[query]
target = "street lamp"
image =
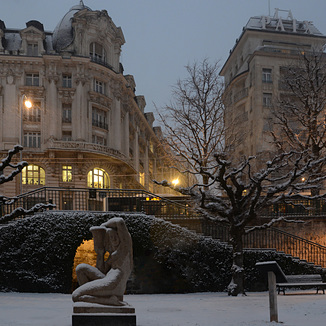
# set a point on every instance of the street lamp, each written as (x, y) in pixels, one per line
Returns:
(27, 103)
(175, 182)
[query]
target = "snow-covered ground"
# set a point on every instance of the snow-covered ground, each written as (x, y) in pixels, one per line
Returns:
(199, 309)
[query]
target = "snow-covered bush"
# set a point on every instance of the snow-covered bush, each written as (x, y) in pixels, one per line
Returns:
(37, 254)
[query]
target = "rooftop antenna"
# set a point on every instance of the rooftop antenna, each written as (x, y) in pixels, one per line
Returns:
(82, 3)
(269, 8)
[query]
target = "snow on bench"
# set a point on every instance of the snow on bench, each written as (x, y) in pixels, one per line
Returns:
(291, 281)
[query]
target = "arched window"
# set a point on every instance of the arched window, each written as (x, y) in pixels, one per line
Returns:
(97, 53)
(98, 178)
(33, 175)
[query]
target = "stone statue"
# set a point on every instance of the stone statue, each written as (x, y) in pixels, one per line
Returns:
(106, 283)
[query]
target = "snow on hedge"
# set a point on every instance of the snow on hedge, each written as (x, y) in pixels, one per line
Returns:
(37, 254)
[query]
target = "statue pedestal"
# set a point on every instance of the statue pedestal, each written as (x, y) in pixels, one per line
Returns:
(89, 314)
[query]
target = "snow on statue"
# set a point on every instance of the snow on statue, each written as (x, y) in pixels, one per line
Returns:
(106, 283)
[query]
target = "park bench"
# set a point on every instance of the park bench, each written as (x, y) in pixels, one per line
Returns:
(291, 281)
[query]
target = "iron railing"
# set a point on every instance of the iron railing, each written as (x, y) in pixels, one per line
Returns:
(271, 238)
(102, 200)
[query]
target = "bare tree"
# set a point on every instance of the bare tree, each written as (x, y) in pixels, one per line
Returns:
(193, 122)
(246, 193)
(16, 169)
(300, 120)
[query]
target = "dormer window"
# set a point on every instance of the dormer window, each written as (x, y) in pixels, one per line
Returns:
(32, 49)
(97, 53)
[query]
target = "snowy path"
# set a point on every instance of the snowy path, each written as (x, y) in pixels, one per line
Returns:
(199, 309)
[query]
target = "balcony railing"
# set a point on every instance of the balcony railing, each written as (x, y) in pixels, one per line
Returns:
(100, 124)
(240, 95)
(101, 62)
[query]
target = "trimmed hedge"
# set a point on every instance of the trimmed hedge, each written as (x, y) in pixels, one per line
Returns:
(37, 254)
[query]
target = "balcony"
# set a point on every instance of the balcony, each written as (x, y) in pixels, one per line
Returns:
(101, 62)
(240, 95)
(100, 124)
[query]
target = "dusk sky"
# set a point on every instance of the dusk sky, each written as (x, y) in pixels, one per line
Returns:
(163, 36)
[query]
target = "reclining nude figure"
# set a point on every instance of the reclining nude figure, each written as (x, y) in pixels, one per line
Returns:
(106, 283)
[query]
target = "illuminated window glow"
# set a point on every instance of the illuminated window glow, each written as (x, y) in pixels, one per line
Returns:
(33, 175)
(67, 173)
(97, 178)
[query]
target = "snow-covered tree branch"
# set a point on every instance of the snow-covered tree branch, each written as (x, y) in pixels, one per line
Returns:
(246, 191)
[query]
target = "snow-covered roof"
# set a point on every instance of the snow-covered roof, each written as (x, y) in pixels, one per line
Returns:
(63, 33)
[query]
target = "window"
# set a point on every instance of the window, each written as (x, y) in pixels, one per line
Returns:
(32, 49)
(32, 139)
(32, 80)
(98, 86)
(67, 173)
(97, 178)
(33, 175)
(96, 139)
(66, 136)
(66, 113)
(66, 81)
(267, 100)
(267, 75)
(142, 178)
(33, 114)
(99, 118)
(97, 53)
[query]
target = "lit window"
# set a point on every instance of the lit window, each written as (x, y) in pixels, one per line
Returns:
(151, 146)
(267, 75)
(66, 81)
(97, 178)
(142, 178)
(32, 139)
(32, 80)
(33, 175)
(67, 173)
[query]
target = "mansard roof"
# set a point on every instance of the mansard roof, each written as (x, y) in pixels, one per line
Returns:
(63, 33)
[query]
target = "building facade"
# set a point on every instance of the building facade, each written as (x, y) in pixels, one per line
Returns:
(86, 126)
(253, 73)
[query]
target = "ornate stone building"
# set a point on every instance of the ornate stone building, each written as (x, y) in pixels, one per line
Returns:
(86, 126)
(252, 76)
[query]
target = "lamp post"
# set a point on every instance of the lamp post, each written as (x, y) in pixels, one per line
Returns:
(25, 102)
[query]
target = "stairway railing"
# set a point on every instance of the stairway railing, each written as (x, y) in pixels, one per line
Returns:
(272, 238)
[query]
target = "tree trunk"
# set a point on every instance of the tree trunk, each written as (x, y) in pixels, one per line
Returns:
(236, 285)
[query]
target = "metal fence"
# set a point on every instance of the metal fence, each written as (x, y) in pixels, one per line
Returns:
(80, 199)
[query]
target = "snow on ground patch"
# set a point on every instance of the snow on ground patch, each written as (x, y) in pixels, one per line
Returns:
(198, 309)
